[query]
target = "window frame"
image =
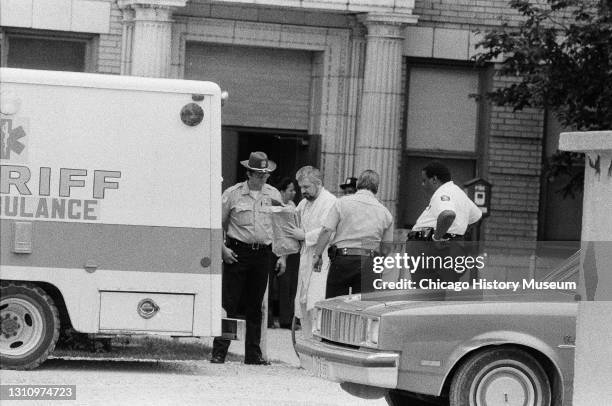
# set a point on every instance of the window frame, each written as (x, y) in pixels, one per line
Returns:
(90, 41)
(480, 155)
(482, 115)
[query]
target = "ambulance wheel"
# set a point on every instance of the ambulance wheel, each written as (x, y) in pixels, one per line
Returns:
(500, 376)
(29, 323)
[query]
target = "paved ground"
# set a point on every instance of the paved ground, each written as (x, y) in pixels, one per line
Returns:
(132, 382)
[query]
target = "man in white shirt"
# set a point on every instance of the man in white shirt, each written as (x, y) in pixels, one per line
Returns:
(449, 214)
(312, 211)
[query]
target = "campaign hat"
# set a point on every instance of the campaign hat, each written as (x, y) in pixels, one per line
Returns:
(258, 161)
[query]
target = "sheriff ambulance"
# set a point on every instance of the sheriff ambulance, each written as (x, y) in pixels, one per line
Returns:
(110, 214)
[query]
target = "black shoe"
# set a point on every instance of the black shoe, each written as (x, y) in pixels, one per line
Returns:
(217, 359)
(256, 361)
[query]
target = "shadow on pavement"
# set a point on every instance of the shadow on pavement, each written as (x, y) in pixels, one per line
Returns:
(140, 366)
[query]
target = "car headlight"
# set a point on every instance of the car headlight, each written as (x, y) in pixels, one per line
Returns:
(372, 331)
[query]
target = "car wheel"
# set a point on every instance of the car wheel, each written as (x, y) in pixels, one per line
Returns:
(500, 376)
(29, 325)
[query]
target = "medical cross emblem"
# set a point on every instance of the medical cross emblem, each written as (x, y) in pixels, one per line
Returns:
(9, 139)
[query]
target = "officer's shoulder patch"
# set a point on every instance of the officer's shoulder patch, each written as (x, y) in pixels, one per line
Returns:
(445, 198)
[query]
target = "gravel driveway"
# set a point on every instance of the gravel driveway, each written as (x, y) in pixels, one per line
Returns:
(149, 382)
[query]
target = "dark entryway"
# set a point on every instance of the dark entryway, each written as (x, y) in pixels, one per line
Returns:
(289, 149)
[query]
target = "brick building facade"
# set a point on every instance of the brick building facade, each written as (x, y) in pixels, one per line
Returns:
(355, 84)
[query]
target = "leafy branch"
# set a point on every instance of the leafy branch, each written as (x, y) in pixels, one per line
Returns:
(558, 57)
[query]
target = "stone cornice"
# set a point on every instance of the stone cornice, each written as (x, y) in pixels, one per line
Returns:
(151, 3)
(347, 6)
(388, 18)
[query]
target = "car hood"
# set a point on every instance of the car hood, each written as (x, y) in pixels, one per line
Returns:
(430, 302)
(371, 305)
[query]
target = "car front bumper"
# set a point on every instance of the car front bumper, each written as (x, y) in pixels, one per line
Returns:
(341, 364)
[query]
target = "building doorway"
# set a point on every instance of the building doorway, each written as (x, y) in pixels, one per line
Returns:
(289, 149)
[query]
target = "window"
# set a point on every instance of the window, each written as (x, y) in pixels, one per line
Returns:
(441, 114)
(442, 121)
(49, 51)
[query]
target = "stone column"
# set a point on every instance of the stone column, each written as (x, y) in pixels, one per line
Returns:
(127, 38)
(592, 372)
(378, 144)
(354, 92)
(147, 36)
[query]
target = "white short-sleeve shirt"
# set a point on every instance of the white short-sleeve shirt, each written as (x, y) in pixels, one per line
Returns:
(449, 197)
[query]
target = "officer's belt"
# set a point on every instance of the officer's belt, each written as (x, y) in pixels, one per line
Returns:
(425, 235)
(232, 242)
(356, 251)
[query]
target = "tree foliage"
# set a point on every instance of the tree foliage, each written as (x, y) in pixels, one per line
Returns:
(560, 54)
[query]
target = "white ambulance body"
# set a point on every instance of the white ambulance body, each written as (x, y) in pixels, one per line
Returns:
(110, 208)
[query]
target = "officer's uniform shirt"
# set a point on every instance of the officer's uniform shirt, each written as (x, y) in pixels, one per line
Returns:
(449, 197)
(246, 214)
(360, 221)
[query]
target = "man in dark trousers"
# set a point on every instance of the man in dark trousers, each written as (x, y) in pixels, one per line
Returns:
(247, 253)
(362, 226)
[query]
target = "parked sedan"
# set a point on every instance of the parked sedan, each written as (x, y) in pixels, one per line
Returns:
(465, 352)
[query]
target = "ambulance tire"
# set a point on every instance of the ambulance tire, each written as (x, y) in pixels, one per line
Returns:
(497, 372)
(30, 325)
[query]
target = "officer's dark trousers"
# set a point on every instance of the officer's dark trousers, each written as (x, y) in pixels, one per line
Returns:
(287, 289)
(249, 278)
(345, 272)
(453, 248)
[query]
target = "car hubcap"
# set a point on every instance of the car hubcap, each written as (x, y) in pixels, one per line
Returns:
(506, 386)
(21, 328)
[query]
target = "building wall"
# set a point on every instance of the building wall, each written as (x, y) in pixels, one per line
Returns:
(109, 49)
(512, 148)
(513, 156)
(464, 13)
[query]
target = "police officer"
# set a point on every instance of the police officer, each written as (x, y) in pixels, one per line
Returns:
(362, 225)
(247, 253)
(446, 219)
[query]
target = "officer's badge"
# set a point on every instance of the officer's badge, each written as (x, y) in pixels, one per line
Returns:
(445, 198)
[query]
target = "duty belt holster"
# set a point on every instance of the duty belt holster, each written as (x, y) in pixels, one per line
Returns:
(332, 252)
(421, 235)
